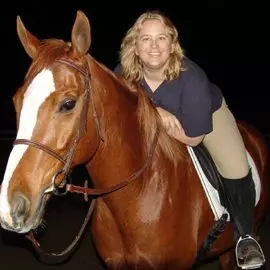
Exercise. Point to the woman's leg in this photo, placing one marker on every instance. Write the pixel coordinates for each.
(226, 146)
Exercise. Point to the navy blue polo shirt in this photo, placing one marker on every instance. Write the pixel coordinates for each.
(192, 98)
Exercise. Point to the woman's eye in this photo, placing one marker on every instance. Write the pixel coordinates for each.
(67, 105)
(162, 38)
(146, 39)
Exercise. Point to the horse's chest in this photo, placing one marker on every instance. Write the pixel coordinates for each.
(148, 244)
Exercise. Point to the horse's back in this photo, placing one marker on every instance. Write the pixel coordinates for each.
(255, 144)
(258, 149)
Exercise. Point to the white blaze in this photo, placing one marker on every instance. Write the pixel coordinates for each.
(39, 89)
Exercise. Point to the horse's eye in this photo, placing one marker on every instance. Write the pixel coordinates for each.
(67, 105)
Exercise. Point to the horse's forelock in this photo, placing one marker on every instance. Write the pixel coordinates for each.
(49, 51)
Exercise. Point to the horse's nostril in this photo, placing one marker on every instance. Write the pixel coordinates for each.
(19, 208)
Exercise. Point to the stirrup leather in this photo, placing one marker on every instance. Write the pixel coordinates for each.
(252, 264)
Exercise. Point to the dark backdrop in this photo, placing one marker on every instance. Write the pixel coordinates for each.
(227, 39)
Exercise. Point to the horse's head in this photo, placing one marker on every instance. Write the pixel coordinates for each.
(51, 107)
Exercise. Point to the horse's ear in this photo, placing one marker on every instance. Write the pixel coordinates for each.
(29, 42)
(81, 34)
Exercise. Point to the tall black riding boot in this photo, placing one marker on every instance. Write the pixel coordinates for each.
(241, 206)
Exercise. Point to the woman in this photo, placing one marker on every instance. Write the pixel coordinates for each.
(194, 111)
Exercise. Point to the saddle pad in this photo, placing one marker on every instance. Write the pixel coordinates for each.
(212, 193)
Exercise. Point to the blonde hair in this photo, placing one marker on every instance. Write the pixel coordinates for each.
(131, 67)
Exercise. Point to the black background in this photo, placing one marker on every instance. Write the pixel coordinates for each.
(226, 38)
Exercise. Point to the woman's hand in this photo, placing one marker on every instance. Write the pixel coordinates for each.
(170, 122)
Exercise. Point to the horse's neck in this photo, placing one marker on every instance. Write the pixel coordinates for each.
(120, 154)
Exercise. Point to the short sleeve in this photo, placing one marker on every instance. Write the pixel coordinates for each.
(196, 108)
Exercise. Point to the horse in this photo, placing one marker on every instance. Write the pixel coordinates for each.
(151, 210)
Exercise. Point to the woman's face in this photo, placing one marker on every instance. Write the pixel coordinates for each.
(154, 45)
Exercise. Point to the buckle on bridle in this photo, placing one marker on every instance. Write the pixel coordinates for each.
(60, 190)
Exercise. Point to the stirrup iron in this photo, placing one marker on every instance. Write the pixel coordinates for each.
(252, 264)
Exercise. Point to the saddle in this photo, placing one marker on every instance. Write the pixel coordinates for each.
(210, 170)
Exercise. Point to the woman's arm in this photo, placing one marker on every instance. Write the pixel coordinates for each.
(174, 128)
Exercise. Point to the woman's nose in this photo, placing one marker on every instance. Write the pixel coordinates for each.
(154, 43)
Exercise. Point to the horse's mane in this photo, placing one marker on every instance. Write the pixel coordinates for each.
(148, 117)
(150, 121)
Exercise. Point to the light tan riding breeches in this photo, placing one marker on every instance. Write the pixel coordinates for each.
(226, 146)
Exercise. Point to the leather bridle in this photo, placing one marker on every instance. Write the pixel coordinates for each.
(67, 160)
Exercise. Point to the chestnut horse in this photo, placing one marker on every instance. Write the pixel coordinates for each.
(72, 110)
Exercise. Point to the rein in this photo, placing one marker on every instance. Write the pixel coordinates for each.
(67, 161)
